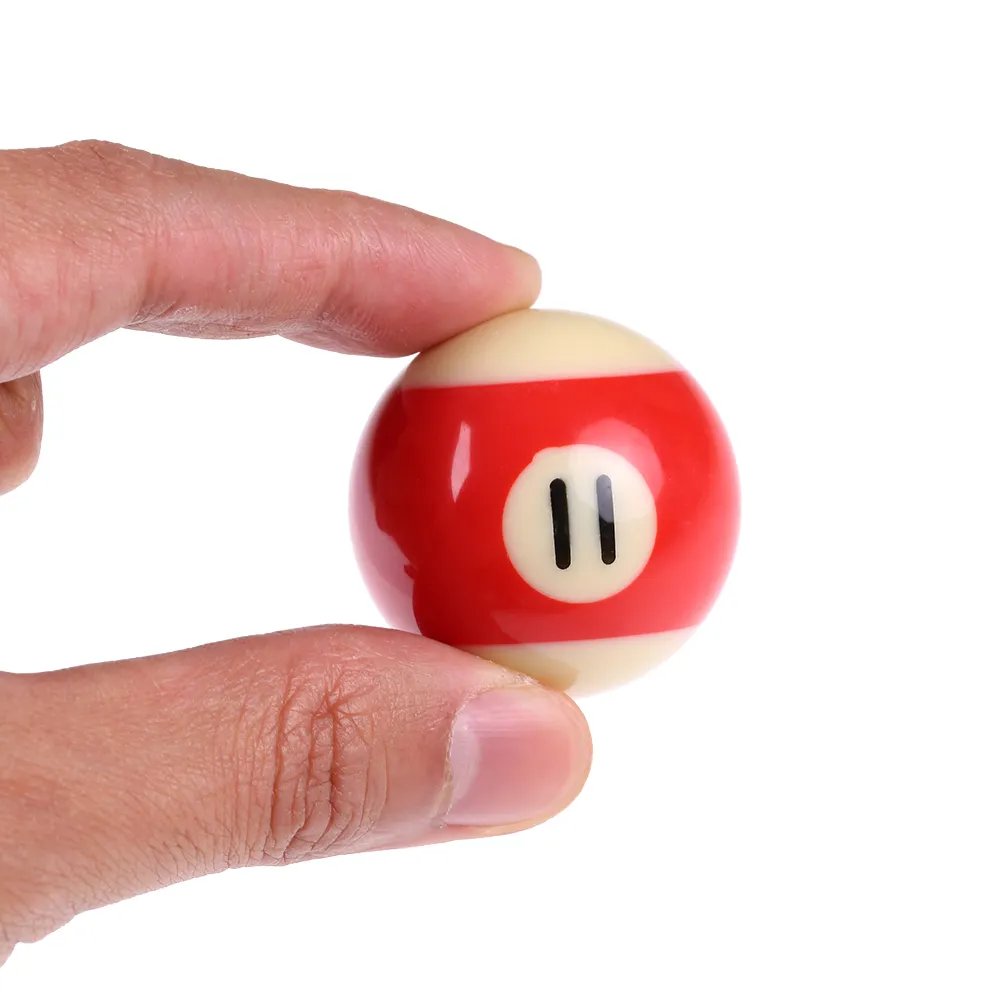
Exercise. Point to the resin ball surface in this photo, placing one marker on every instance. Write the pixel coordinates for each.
(550, 491)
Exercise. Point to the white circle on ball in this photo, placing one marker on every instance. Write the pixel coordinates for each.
(579, 523)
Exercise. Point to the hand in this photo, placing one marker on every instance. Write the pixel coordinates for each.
(117, 778)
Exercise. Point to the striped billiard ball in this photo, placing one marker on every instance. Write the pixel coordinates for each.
(550, 491)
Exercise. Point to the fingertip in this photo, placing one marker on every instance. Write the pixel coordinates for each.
(526, 282)
(412, 280)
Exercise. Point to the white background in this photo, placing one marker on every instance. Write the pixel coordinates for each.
(799, 200)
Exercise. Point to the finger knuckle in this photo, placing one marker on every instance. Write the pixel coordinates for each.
(67, 213)
(107, 158)
(119, 185)
(321, 765)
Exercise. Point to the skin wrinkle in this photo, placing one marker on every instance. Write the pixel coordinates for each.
(320, 736)
(360, 246)
(370, 771)
(294, 256)
(203, 240)
(319, 783)
(284, 817)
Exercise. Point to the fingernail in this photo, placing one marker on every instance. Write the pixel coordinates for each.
(517, 754)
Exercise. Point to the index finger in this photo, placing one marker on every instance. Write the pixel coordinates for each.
(94, 237)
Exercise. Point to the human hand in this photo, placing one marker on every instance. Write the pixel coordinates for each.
(117, 778)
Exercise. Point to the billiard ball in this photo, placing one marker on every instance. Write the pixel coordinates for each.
(550, 491)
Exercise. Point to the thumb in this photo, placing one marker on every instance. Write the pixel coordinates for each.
(121, 777)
